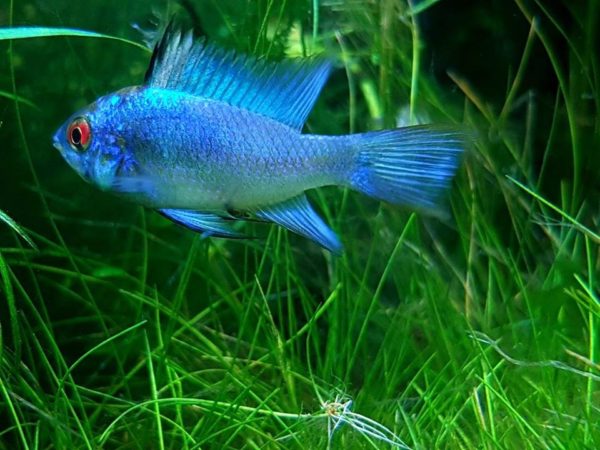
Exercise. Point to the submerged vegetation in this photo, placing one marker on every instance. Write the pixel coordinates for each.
(119, 329)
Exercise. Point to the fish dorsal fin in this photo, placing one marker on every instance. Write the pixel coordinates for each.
(297, 215)
(285, 91)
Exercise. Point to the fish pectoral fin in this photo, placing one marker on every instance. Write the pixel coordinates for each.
(209, 224)
(298, 216)
(134, 184)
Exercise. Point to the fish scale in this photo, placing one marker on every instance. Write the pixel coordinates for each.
(286, 162)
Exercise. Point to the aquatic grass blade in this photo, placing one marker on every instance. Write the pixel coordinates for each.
(13, 33)
(16, 228)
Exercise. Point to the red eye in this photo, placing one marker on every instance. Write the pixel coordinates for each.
(79, 134)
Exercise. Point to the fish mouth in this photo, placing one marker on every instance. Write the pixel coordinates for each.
(56, 143)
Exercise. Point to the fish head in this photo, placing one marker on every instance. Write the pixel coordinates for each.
(93, 145)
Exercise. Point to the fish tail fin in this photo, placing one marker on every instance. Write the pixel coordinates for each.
(410, 166)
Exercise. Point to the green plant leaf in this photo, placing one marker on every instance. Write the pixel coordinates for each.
(16, 228)
(44, 32)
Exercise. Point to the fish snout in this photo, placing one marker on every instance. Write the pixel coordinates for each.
(56, 143)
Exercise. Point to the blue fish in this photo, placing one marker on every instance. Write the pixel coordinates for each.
(212, 137)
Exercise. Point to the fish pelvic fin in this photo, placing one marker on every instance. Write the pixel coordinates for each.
(411, 166)
(285, 91)
(209, 224)
(297, 215)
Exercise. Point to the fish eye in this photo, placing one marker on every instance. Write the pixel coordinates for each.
(79, 134)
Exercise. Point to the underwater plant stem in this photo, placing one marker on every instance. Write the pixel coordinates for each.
(518, 79)
(13, 412)
(5, 275)
(386, 50)
(348, 67)
(154, 392)
(315, 29)
(416, 64)
(593, 338)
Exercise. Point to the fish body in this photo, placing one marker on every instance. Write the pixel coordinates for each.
(212, 136)
(203, 154)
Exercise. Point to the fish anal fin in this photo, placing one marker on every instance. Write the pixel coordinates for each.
(297, 215)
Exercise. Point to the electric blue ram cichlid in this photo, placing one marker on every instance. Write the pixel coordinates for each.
(212, 137)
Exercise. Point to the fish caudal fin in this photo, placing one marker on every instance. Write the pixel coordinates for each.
(410, 166)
